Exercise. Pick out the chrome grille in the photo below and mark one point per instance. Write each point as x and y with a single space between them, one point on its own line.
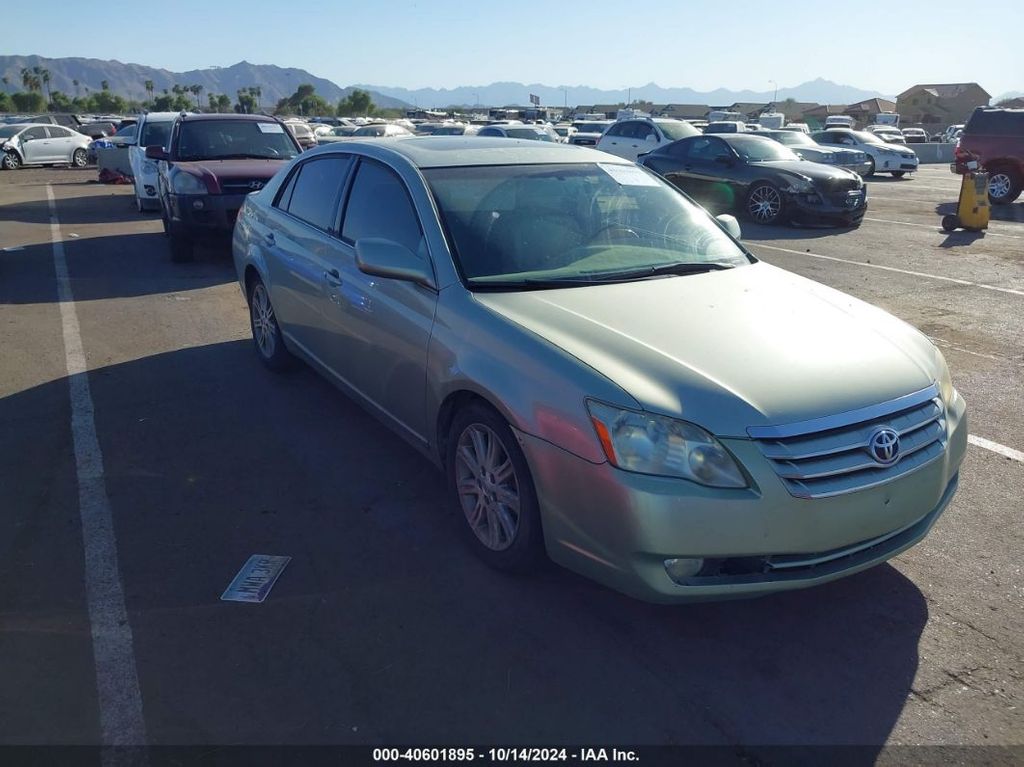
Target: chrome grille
832 456
243 186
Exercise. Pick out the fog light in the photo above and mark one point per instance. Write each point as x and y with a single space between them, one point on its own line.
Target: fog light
682 569
198 204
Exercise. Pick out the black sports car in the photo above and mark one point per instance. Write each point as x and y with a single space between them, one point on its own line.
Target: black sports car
759 178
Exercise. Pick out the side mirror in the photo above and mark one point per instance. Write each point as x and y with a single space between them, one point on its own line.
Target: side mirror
732 226
156 152
386 258
651 138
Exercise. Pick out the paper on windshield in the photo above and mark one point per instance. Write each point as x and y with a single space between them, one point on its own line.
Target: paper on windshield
628 175
270 128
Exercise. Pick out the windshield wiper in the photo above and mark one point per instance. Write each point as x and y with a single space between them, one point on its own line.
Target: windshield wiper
682 267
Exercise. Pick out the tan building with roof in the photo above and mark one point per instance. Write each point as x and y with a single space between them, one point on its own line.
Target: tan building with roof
940 104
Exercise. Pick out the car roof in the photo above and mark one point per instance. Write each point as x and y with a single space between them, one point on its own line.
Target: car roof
161 116
458 151
232 116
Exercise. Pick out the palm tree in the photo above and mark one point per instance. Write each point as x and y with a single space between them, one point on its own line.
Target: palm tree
7 81
26 78
257 92
75 83
196 90
45 75
150 86
105 85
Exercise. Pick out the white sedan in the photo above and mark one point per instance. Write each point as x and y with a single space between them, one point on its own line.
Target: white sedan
37 144
897 159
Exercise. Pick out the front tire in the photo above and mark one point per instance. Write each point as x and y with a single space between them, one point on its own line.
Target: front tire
491 487
266 332
80 158
871 168
1004 186
764 204
11 161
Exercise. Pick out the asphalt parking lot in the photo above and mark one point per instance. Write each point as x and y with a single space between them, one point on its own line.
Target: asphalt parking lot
384 628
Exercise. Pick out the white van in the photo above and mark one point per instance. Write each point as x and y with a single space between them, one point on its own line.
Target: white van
154 130
839 121
772 120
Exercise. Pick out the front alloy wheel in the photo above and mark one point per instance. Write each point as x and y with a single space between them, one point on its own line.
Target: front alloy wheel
11 161
493 491
764 204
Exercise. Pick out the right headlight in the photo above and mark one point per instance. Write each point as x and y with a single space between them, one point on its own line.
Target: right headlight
653 444
944 379
186 183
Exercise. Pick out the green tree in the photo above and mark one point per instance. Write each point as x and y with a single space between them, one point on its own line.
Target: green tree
105 101
223 103
257 91
150 86
246 101
32 101
44 75
75 83
60 103
195 90
7 81
30 80
5 101
105 85
358 102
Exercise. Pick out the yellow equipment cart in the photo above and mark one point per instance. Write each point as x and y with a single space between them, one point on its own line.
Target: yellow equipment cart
972 211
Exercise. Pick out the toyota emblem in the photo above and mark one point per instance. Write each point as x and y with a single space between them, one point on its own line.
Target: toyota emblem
884 446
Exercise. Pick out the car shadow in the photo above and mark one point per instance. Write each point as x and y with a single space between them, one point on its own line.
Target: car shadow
108 208
1014 212
116 266
386 628
792 231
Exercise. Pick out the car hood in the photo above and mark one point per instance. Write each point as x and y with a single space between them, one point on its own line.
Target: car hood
812 170
751 346
216 173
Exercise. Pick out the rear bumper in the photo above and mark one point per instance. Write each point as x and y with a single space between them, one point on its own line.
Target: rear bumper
199 214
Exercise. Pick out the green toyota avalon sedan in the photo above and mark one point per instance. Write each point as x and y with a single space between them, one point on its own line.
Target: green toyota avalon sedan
600 368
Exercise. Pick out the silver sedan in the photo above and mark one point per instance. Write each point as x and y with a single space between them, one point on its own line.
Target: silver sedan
40 144
600 368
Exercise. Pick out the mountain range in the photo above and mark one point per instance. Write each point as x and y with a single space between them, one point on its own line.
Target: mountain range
128 79
819 91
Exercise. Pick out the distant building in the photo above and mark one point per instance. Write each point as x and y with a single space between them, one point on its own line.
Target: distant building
864 111
750 110
1017 103
681 111
940 104
815 116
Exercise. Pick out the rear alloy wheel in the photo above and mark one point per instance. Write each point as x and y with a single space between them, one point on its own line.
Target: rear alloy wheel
764 204
490 482
11 161
266 333
1004 186
80 158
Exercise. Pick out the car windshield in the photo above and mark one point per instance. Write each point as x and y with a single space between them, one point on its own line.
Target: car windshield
677 129
867 138
534 134
530 226
10 130
155 133
128 130
234 139
792 138
757 149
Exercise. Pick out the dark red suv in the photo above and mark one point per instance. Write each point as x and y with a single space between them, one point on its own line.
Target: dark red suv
995 138
212 162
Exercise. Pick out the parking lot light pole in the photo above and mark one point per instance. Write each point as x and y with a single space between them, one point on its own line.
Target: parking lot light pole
775 96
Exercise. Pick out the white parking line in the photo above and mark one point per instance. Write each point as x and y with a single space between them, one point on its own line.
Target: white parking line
995 447
937 227
117 682
890 269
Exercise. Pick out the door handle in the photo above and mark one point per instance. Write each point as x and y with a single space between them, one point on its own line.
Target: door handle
269 239
332 277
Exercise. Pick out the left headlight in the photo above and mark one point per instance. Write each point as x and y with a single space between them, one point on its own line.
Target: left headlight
652 444
800 186
186 183
944 379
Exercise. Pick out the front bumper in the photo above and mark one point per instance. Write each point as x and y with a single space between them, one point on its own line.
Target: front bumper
198 214
860 168
843 207
619 527
889 163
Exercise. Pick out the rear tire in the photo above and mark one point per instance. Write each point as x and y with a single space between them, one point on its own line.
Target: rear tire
266 332
1004 186
492 491
80 158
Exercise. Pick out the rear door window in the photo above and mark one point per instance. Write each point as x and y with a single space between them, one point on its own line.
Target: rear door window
313 191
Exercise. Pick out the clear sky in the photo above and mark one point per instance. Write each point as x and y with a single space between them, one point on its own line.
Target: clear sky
882 45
